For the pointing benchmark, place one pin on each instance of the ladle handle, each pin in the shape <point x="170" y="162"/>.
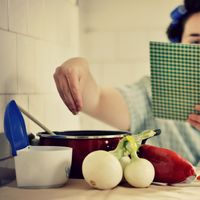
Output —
<point x="35" y="120"/>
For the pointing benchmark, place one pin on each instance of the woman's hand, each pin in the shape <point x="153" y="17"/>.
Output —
<point x="194" y="119"/>
<point x="71" y="79"/>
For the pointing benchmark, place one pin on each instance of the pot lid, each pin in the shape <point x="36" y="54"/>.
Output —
<point x="15" y="128"/>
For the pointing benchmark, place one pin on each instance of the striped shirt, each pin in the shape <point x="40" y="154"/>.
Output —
<point x="178" y="136"/>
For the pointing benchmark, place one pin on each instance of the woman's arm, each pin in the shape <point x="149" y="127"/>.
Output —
<point x="80" y="92"/>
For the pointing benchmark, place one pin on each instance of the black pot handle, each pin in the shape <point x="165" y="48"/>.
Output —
<point x="32" y="139"/>
<point x="158" y="132"/>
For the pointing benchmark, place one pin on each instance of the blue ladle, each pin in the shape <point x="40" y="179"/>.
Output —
<point x="14" y="127"/>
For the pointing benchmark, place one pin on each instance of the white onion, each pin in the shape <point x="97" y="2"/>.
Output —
<point x="139" y="173"/>
<point x="102" y="170"/>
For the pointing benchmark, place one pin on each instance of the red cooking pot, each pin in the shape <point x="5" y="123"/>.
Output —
<point x="82" y="142"/>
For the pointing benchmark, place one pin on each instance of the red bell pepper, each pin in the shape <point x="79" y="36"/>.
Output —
<point x="169" y="166"/>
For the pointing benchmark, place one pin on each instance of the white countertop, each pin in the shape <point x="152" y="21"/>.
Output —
<point x="78" y="189"/>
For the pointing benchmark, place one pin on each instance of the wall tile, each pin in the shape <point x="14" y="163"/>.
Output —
<point x="140" y="69"/>
<point x="75" y="2"/>
<point x="73" y="28"/>
<point x="50" y="20"/>
<point x="100" y="46"/>
<point x="57" y="116"/>
<point x="4" y="14"/>
<point x="133" y="45"/>
<point x="60" y="53"/>
<point x="63" y="21"/>
<point x="129" y="14"/>
<point x="36" y="18"/>
<point x="26" y="64"/>
<point x="51" y="116"/>
<point x="157" y="35"/>
<point x="18" y="15"/>
<point x="43" y="72"/>
<point x="36" y="108"/>
<point x="8" y="75"/>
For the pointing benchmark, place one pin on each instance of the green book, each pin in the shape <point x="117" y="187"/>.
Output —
<point x="175" y="79"/>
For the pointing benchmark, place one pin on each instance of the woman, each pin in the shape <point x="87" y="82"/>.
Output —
<point x="129" y="107"/>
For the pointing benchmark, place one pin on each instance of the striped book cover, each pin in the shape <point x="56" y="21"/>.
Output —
<point x="175" y="79"/>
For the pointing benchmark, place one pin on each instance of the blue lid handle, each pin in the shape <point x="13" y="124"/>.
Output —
<point x="15" y="128"/>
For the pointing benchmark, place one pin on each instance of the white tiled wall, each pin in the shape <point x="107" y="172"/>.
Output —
<point x="115" y="37"/>
<point x="8" y="75"/>
<point x="3" y="14"/>
<point x="38" y="35"/>
<point x="35" y="37"/>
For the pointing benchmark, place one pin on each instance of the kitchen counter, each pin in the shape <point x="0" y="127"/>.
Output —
<point x="78" y="189"/>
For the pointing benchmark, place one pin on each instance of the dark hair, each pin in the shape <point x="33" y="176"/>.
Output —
<point x="175" y="31"/>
